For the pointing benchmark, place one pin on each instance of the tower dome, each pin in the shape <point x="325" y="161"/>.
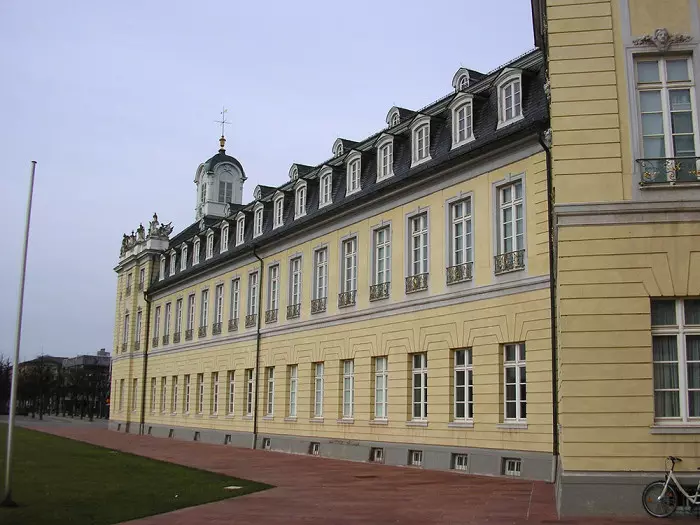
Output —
<point x="219" y="182"/>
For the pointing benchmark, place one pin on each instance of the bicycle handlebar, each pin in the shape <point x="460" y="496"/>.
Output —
<point x="674" y="459"/>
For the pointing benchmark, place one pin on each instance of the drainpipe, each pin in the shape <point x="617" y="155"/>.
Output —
<point x="145" y="358"/>
<point x="257" y="350"/>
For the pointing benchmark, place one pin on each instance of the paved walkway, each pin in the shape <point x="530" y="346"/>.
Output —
<point x="311" y="490"/>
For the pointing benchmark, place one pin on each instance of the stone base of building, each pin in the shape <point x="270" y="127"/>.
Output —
<point x="480" y="461"/>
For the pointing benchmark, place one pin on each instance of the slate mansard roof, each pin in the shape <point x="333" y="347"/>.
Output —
<point x="486" y="138"/>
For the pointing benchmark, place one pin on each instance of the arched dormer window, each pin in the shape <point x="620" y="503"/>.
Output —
<point x="461" y="79"/>
<point x="325" y="196"/>
<point x="354" y="170"/>
<point x="338" y="148"/>
<point x="183" y="257"/>
<point x="258" y="220"/>
<point x="278" y="210"/>
<point x="196" y="250"/>
<point x="395" y="119"/>
<point x="300" y="199"/>
<point x="385" y="157"/>
<point x="161" y="273"/>
<point x="463" y="82"/>
<point x="462" y="108"/>
<point x="224" y="237"/>
<point x="173" y="258"/>
<point x="257" y="192"/>
<point x="210" y="245"/>
<point x="420" y="140"/>
<point x="240" y="229"/>
<point x="509" y="89"/>
<point x="295" y="174"/>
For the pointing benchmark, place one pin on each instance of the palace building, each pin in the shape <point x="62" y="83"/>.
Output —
<point x="504" y="282"/>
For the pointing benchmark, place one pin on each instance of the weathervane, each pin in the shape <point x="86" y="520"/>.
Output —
<point x="223" y="122"/>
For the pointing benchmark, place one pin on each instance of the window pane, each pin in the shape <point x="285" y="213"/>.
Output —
<point x="648" y="71"/>
<point x="654" y="147"/>
<point x="682" y="122"/>
<point x="692" y="348"/>
<point x="694" y="404"/>
<point x="650" y="101"/>
<point x="679" y="99"/>
<point x="677" y="70"/>
<point x="510" y="375"/>
<point x="510" y="353"/>
<point x="665" y="348"/>
<point x="652" y="124"/>
<point x="663" y="312"/>
<point x="666" y="404"/>
<point x="459" y="358"/>
<point x="684" y="146"/>
<point x="665" y="376"/>
<point x="510" y="392"/>
<point x="692" y="311"/>
<point x="459" y="381"/>
<point x="510" y="410"/>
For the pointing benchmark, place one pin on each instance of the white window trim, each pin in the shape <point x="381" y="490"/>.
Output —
<point x="210" y="246"/>
<point x="278" y="219"/>
<point x="355" y="158"/>
<point x="215" y="393"/>
<point x="293" y="390"/>
<point x="258" y="220"/>
<point x="409" y="241"/>
<point x="204" y="309"/>
<point x="460" y="101"/>
<point x="292" y="275"/>
<point x="319" y="369"/>
<point x="384" y="375"/>
<point x="273" y="286"/>
<point x="467" y="367"/>
<point x="200" y="393"/>
<point x="173" y="255"/>
<point x="183" y="257"/>
<point x="423" y="371"/>
<point x="317" y="273"/>
<point x="231" y="394"/>
<point x="219" y="303"/>
<point x="240" y="229"/>
<point x="322" y="201"/>
<point x="348" y="388"/>
<point x="338" y="148"/>
<point x="450" y="241"/>
<point x="300" y="190"/>
<point x="253" y="306"/>
<point x="418" y="124"/>
<point x="375" y="259"/>
<point x="500" y="247"/>
<point x="270" y="392"/>
<point x="224" y="238"/>
<point x="161" y="275"/>
<point x="518" y="363"/>
<point x="235" y="298"/>
<point x="383" y="142"/>
<point x="196" y="250"/>
<point x="508" y="75"/>
<point x="191" y="311"/>
<point x="250" y="386"/>
<point x="354" y="281"/>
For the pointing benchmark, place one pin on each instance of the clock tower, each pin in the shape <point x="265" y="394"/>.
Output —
<point x="219" y="182"/>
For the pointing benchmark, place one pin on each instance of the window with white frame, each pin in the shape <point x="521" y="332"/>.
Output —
<point x="459" y="461"/>
<point x="183" y="258"/>
<point x="668" y="119"/>
<point x="178" y="316"/>
<point x="224" y="238"/>
<point x="511" y="467"/>
<point x="318" y="389"/>
<point x="293" y="379"/>
<point x="215" y="393"/>
<point x="249" y="392"/>
<point x="253" y="293"/>
<point x="419" y="244"/>
<point x="204" y="312"/>
<point x="142" y="278"/>
<point x="461" y="238"/>
<point x="125" y="330"/>
<point x="210" y="246"/>
<point x="338" y="150"/>
<point x="154" y="393"/>
<point x="174" y="400"/>
<point x="235" y="297"/>
<point x="381" y="376"/>
<point x="511" y="222"/>
<point x="278" y="214"/>
<point x="321" y="273"/>
<point x="163" y="393"/>
<point x="295" y="281"/>
<point x="173" y="258"/>
<point x="386" y="159"/>
<point x="463" y="82"/>
<point x="509" y="101"/>
<point x="348" y="388"/>
<point x="200" y="393"/>
<point x="156" y="323"/>
<point x="415" y="458"/>
<point x="134" y="395"/>
<point x="675" y="330"/>
<point x="187" y="394"/>
<point x="190" y="311"/>
<point x="395" y="119"/>
<point x="240" y="231"/>
<point x="273" y="287"/>
<point x="219" y="304"/>
<point x="353" y="176"/>
<point x="270" y="394"/>
<point x="382" y="255"/>
<point x="515" y="397"/>
<point x="420" y="387"/>
<point x="196" y="250"/>
<point x="462" y="123"/>
<point x="258" y="222"/>
<point x="166" y="322"/>
<point x="326" y="190"/>
<point x="231" y="394"/>
<point x="300" y="202"/>
<point x="139" y="321"/>
<point x="421" y="143"/>
<point x="161" y="275"/>
<point x="225" y="191"/>
<point x="349" y="265"/>
<point x="121" y="395"/>
<point x="463" y="385"/>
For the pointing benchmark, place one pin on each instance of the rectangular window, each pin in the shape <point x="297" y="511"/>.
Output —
<point x="183" y="258"/>
<point x="231" y="392"/>
<point x="258" y="222"/>
<point x="174" y="401"/>
<point x="386" y="154"/>
<point x="121" y="395"/>
<point x="225" y="191"/>
<point x="354" y="176"/>
<point x="293" y="379"/>
<point x="419" y="244"/>
<point x="382" y="256"/>
<point x="154" y="393"/>
<point x="415" y="458"/>
<point x="173" y="257"/>
<point x="134" y="395"/>
<point x="210" y="246"/>
<point x="137" y="335"/>
<point x="240" y="231"/>
<point x="514" y="381"/>
<point x="463" y="122"/>
<point x="420" y="387"/>
<point x="190" y="311"/>
<point x="178" y="316"/>
<point x="348" y="388"/>
<point x="511" y="467"/>
<point x="166" y="322"/>
<point x="270" y="394"/>
<point x="461" y="249"/>
<point x="200" y="393"/>
<point x="195" y="252"/>
<point x="142" y="278"/>
<point x="318" y="389"/>
<point x="156" y="323"/>
<point x="675" y="325"/>
<point x="161" y="274"/>
<point x="187" y="394"/>
<point x="512" y="218"/>
<point x="129" y="278"/>
<point x="235" y="297"/>
<point x="219" y="304"/>
<point x="349" y="270"/>
<point x="321" y="273"/>
<point x="326" y="186"/>
<point x="204" y="313"/>
<point x="249" y="392"/>
<point x="300" y="202"/>
<point x="125" y="332"/>
<point x="253" y="293"/>
<point x="279" y="212"/>
<point x="381" y="376"/>
<point x="459" y="461"/>
<point x="421" y="141"/>
<point x="510" y="96"/>
<point x="273" y="287"/>
<point x="295" y="281"/>
<point x="163" y="394"/>
<point x="215" y="393"/>
<point x="463" y="385"/>
<point x="224" y="238"/>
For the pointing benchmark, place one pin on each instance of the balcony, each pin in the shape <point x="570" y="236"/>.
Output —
<point x="509" y="262"/>
<point x="176" y="337"/>
<point x="166" y="339"/>
<point x="216" y="329"/>
<point x="293" y="311"/>
<point x="379" y="291"/>
<point x="137" y="345"/>
<point x="271" y="316"/>
<point x="202" y="332"/>
<point x="233" y="325"/>
<point x="669" y="171"/>
<point x="346" y="299"/>
<point x="318" y="305"/>
<point x="459" y="273"/>
<point x="188" y="334"/>
<point x="416" y="283"/>
<point x="154" y="342"/>
<point x="128" y="291"/>
<point x="251" y="320"/>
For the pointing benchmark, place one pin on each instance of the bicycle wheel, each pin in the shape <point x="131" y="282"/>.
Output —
<point x="657" y="505"/>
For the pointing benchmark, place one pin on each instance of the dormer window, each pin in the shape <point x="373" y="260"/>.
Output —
<point x="509" y="97"/>
<point x="295" y="174"/>
<point x="183" y="258"/>
<point x="161" y="273"/>
<point x="210" y="245"/>
<point x="224" y="238"/>
<point x="395" y="119"/>
<point x="420" y="138"/>
<point x="258" y="222"/>
<point x="172" y="263"/>
<point x="462" y="120"/>
<point x="278" y="215"/>
<point x="338" y="150"/>
<point x="326" y="189"/>
<point x="353" y="175"/>
<point x="195" y="251"/>
<point x="463" y="82"/>
<point x="300" y="201"/>
<point x="240" y="231"/>
<point x="385" y="158"/>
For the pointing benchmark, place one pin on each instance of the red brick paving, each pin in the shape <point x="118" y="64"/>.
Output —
<point x="311" y="490"/>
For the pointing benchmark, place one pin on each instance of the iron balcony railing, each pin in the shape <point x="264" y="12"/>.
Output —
<point x="318" y="305"/>
<point x="251" y="320"/>
<point x="202" y="331"/>
<point x="293" y="311"/>
<point x="166" y="339"/>
<point x="154" y="342"/>
<point x="416" y="283"/>
<point x="509" y="262"/>
<point x="347" y="298"/>
<point x="188" y="334"/>
<point x="669" y="171"/>
<point x="271" y="316"/>
<point x="459" y="273"/>
<point x="216" y="329"/>
<point x="176" y="337"/>
<point x="379" y="291"/>
<point x="233" y="325"/>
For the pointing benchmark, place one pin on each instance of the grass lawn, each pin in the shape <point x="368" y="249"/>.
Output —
<point x="60" y="481"/>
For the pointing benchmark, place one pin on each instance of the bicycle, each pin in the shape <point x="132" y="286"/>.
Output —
<point x="660" y="498"/>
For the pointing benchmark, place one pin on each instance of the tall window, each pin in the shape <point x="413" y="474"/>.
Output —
<point x="664" y="88"/>
<point x="195" y="251"/>
<point x="512" y="220"/>
<point x="295" y="281"/>
<point x="353" y="176"/>
<point x="187" y="394"/>
<point x="204" y="313"/>
<point x="461" y="232"/>
<point x="462" y="123"/>
<point x="154" y="393"/>
<point x="161" y="274"/>
<point x="395" y="119"/>
<point x="348" y="388"/>
<point x="121" y="395"/>
<point x="321" y="273"/>
<point x="270" y="394"/>
<point x="386" y="160"/>
<point x="210" y="246"/>
<point x="139" y="318"/>
<point x="163" y="394"/>
<point x="318" y="389"/>
<point x="349" y="270"/>
<point x="231" y="392"/>
<point x="166" y="322"/>
<point x="420" y="386"/>
<point x="134" y="395"/>
<point x="240" y="231"/>
<point x="224" y="238"/>
<point x="178" y="316"/>
<point x="129" y="278"/>
<point x="215" y="393"/>
<point x="419" y="244"/>
<point x="253" y="293"/>
<point x="174" y="400"/>
<point x="380" y="387"/>
<point x="421" y="143"/>
<point x="258" y="222"/>
<point x="235" y="297"/>
<point x="675" y="329"/>
<point x="142" y="277"/>
<point x="200" y="393"/>
<point x="279" y="212"/>
<point x="382" y="256"/>
<point x="293" y="378"/>
<point x="273" y="287"/>
<point x="300" y="202"/>
<point x="173" y="257"/>
<point x="225" y="191"/>
<point x="510" y="101"/>
<point x="156" y="323"/>
<point x="190" y="312"/>
<point x="514" y="381"/>
<point x="183" y="258"/>
<point x="219" y="304"/>
<point x="249" y="392"/>
<point x="463" y="385"/>
<point x="125" y="331"/>
<point x="326" y="189"/>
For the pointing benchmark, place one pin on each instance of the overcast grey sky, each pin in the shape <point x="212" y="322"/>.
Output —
<point x="117" y="101"/>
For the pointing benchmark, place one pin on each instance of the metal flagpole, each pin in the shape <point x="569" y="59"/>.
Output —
<point x="7" y="498"/>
